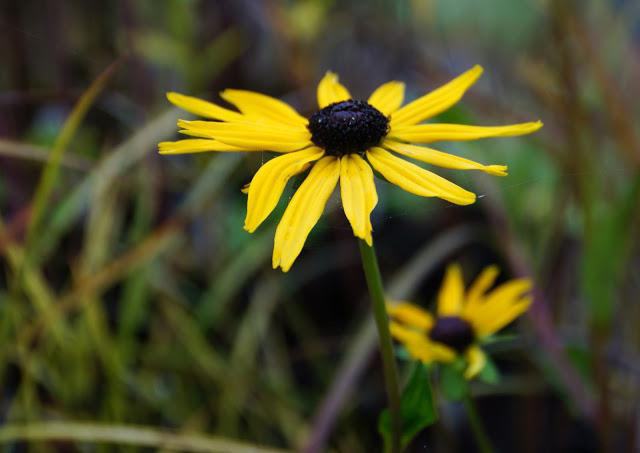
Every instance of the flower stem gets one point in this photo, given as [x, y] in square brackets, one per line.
[376, 291]
[477, 427]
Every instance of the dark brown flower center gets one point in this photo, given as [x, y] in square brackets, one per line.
[454, 332]
[348, 127]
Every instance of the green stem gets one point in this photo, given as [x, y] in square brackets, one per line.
[480, 434]
[376, 291]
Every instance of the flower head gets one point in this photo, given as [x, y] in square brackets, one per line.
[463, 320]
[341, 142]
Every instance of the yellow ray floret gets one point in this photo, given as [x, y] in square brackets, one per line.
[500, 307]
[270, 180]
[251, 135]
[479, 287]
[437, 101]
[411, 315]
[260, 107]
[427, 133]
[451, 295]
[203, 108]
[388, 97]
[358, 193]
[441, 159]
[417, 180]
[420, 347]
[304, 210]
[330, 90]
[476, 360]
[195, 146]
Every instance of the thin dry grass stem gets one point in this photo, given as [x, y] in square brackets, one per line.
[139, 436]
[37, 153]
[50, 172]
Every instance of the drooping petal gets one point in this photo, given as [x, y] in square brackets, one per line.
[476, 360]
[269, 182]
[477, 290]
[260, 106]
[195, 146]
[304, 210]
[429, 351]
[203, 108]
[420, 347]
[441, 159]
[427, 133]
[403, 333]
[330, 90]
[358, 193]
[411, 315]
[388, 97]
[417, 180]
[251, 135]
[451, 295]
[437, 101]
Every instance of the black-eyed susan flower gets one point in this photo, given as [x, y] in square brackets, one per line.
[342, 141]
[463, 319]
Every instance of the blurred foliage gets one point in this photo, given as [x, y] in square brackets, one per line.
[130, 294]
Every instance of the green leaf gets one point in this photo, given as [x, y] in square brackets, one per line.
[417, 408]
[403, 354]
[489, 373]
[452, 381]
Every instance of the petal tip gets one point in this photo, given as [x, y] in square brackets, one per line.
[497, 170]
[174, 98]
[169, 148]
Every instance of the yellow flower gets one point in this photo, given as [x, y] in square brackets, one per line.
[463, 320]
[340, 142]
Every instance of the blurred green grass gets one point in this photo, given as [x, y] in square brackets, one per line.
[130, 295]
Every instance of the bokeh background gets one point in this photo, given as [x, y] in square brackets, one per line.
[131, 297]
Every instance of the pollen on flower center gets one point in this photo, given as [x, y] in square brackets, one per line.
[452, 331]
[348, 127]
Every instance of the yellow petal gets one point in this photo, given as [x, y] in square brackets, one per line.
[437, 101]
[485, 325]
[508, 292]
[501, 306]
[260, 106]
[251, 136]
[330, 90]
[411, 315]
[404, 334]
[388, 97]
[427, 133]
[358, 193]
[303, 212]
[451, 293]
[203, 108]
[269, 182]
[429, 351]
[195, 146]
[417, 180]
[477, 290]
[476, 360]
[419, 346]
[440, 159]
